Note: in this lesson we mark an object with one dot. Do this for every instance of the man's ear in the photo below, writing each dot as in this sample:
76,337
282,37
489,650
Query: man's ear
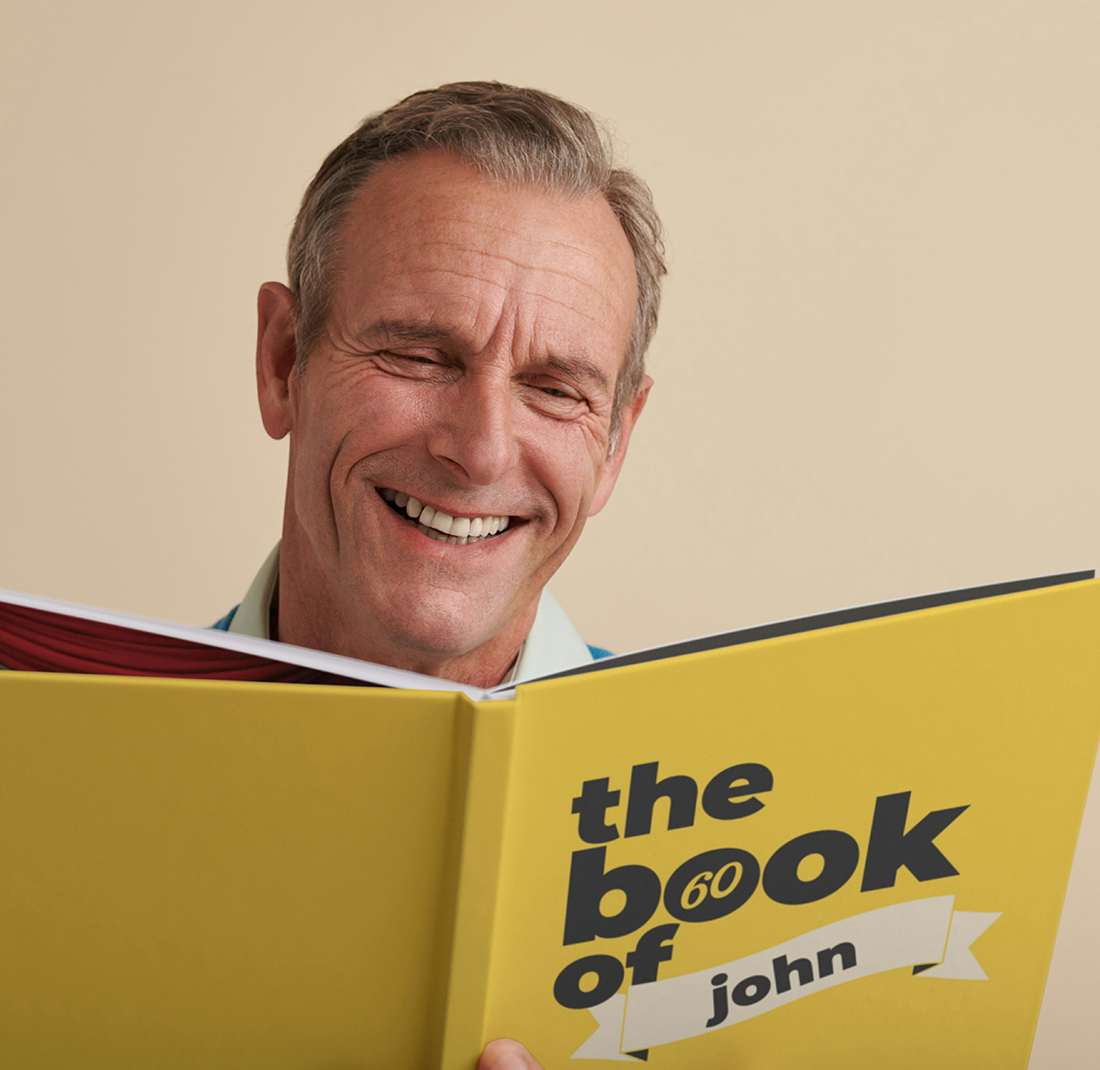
276,354
627,419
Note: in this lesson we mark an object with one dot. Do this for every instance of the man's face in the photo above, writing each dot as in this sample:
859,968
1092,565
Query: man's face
474,338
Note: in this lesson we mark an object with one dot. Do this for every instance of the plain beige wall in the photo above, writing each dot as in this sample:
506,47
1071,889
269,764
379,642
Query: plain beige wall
877,365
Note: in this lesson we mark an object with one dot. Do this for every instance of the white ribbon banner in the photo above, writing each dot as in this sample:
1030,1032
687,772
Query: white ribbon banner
916,933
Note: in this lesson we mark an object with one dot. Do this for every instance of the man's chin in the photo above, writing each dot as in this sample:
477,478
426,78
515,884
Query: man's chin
440,630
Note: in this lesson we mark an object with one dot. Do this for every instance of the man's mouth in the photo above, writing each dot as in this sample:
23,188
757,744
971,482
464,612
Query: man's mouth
441,526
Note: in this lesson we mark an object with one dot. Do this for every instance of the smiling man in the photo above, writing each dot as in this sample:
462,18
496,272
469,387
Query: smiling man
458,364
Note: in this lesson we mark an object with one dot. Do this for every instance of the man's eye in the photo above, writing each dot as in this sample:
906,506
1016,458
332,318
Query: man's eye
554,389
414,358
555,399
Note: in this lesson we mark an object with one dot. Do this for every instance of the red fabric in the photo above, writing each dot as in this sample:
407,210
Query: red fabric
36,640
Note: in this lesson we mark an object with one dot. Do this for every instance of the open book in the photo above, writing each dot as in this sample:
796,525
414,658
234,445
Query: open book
838,841
44,634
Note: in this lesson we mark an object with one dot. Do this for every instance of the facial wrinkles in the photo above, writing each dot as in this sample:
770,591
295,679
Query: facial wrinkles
437,246
448,254
459,244
516,347
458,224
406,465
488,373
511,336
469,304
468,280
511,300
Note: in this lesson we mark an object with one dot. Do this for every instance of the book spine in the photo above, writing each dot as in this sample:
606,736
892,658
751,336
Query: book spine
479,802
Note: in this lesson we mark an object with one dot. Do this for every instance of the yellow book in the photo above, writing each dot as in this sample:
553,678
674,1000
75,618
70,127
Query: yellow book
835,843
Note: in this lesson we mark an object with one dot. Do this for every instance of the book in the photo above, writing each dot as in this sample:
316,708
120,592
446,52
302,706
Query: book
841,841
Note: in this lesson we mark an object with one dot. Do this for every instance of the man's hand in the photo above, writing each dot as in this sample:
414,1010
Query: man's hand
506,1055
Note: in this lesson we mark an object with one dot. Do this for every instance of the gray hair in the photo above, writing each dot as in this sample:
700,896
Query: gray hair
512,134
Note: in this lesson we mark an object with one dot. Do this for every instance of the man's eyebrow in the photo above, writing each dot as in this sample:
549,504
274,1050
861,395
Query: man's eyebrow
580,369
404,331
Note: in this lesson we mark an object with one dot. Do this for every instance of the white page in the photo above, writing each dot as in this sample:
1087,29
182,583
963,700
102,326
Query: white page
337,664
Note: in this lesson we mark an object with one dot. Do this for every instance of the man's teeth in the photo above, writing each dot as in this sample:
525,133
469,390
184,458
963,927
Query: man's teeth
440,525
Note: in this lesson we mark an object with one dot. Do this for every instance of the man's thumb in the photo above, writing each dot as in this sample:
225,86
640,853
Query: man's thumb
506,1055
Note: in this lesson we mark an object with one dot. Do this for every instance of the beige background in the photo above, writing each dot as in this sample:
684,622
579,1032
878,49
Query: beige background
877,365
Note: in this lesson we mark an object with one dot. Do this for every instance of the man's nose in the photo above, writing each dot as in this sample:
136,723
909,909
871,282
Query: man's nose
473,436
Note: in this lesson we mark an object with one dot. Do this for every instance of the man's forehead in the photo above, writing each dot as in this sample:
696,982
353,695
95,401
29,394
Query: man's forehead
434,212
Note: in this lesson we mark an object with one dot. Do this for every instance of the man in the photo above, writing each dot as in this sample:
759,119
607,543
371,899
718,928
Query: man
458,362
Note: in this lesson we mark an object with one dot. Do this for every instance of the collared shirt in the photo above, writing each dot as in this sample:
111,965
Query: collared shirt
552,644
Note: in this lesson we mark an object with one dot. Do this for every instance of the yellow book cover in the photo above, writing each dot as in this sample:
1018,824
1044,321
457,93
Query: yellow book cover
843,844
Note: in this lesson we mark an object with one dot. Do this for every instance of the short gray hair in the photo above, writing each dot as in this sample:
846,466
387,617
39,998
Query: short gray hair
512,134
